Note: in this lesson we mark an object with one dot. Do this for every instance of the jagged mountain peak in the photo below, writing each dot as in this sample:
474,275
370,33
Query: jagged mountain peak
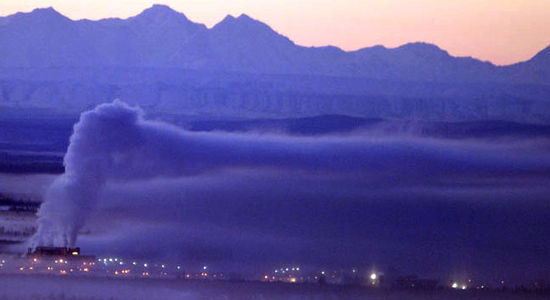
246,27
47,14
246,18
242,20
422,48
45,11
160,10
160,14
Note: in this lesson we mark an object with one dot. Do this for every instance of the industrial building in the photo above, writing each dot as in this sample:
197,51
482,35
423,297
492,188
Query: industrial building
56,254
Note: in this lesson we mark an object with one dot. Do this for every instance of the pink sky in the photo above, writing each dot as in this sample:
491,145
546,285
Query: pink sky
501,31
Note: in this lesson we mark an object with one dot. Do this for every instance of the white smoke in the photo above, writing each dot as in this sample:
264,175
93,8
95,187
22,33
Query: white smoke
99,136
113,142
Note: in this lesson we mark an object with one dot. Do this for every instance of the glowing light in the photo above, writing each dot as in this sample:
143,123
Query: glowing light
85,270
323,272
110,259
454,285
35,259
178,267
134,263
293,280
74,253
163,266
21,268
464,287
63,272
297,269
204,268
373,276
145,265
121,263
266,277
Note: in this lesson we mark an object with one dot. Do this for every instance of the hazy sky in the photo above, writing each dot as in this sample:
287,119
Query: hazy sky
502,31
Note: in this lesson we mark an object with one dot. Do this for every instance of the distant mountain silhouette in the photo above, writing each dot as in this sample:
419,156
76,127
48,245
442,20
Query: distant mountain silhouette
162,37
162,60
537,68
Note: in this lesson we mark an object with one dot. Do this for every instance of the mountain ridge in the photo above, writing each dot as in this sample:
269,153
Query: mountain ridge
241,67
162,16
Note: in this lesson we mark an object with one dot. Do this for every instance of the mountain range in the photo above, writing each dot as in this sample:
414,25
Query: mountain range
46,56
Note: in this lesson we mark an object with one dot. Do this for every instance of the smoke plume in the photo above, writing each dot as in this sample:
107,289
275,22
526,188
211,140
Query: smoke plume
113,142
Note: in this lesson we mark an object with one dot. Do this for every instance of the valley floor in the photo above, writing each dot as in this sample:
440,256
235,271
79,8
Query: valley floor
59,287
